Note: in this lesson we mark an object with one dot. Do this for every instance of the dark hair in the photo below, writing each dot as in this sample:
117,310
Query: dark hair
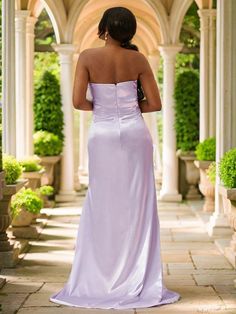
121,25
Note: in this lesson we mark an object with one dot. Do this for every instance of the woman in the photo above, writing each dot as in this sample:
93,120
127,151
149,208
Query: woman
117,261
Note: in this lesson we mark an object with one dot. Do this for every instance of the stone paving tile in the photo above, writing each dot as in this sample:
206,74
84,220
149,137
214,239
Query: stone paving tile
229,300
166,238
183,280
196,230
191,237
185,245
177,266
51,287
37,273
225,289
215,279
188,245
11,301
205,252
69,310
21,287
211,262
188,304
39,299
174,258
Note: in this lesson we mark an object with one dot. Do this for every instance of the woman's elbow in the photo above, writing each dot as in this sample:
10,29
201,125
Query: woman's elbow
76,103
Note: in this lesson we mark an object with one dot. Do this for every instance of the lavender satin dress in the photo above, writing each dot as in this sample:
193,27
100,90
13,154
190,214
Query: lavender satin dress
117,261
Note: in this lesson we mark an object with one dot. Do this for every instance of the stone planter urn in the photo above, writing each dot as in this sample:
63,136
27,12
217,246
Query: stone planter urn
7,255
48,162
229,205
24,219
192,174
205,186
34,178
47,203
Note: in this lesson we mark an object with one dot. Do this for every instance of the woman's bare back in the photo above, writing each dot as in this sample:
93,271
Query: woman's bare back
112,64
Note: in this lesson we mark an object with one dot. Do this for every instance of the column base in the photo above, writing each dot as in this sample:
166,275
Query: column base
225,248
2,282
218,225
9,258
230,254
169,197
65,196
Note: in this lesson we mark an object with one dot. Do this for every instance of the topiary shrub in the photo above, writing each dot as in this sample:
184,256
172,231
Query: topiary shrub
47,144
30,165
46,190
186,96
27,199
211,172
12,169
48,114
227,169
206,150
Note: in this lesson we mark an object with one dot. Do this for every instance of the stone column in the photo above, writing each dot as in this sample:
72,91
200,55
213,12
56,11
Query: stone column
169,190
30,24
8,103
225,101
151,119
207,73
67,192
21,109
8,78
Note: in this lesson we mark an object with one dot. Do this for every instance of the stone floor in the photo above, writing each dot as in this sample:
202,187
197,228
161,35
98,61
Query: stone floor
193,266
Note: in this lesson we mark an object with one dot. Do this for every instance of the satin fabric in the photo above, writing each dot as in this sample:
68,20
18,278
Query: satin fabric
117,261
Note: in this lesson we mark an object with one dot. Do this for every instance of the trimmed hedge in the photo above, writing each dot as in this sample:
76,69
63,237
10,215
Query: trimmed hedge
227,168
47,144
206,150
187,110
48,114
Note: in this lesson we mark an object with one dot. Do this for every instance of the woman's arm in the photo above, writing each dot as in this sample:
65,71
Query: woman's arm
81,84
152,101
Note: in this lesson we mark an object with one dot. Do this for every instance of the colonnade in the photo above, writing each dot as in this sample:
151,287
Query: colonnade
225,102
18,95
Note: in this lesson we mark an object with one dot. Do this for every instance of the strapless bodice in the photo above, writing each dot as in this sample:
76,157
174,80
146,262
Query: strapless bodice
115,100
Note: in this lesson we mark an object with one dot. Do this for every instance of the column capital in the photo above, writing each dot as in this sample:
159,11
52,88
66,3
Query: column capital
206,12
65,49
30,24
154,54
22,14
170,51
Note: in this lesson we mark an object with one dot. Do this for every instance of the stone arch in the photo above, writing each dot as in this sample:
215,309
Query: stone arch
89,40
146,37
155,8
56,12
178,11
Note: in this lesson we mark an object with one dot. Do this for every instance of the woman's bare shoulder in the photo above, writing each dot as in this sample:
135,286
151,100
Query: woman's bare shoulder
100,54
102,50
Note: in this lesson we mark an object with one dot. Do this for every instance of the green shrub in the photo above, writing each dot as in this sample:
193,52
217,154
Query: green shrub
46,190
26,199
47,144
186,96
30,164
211,172
206,150
227,169
12,169
48,114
